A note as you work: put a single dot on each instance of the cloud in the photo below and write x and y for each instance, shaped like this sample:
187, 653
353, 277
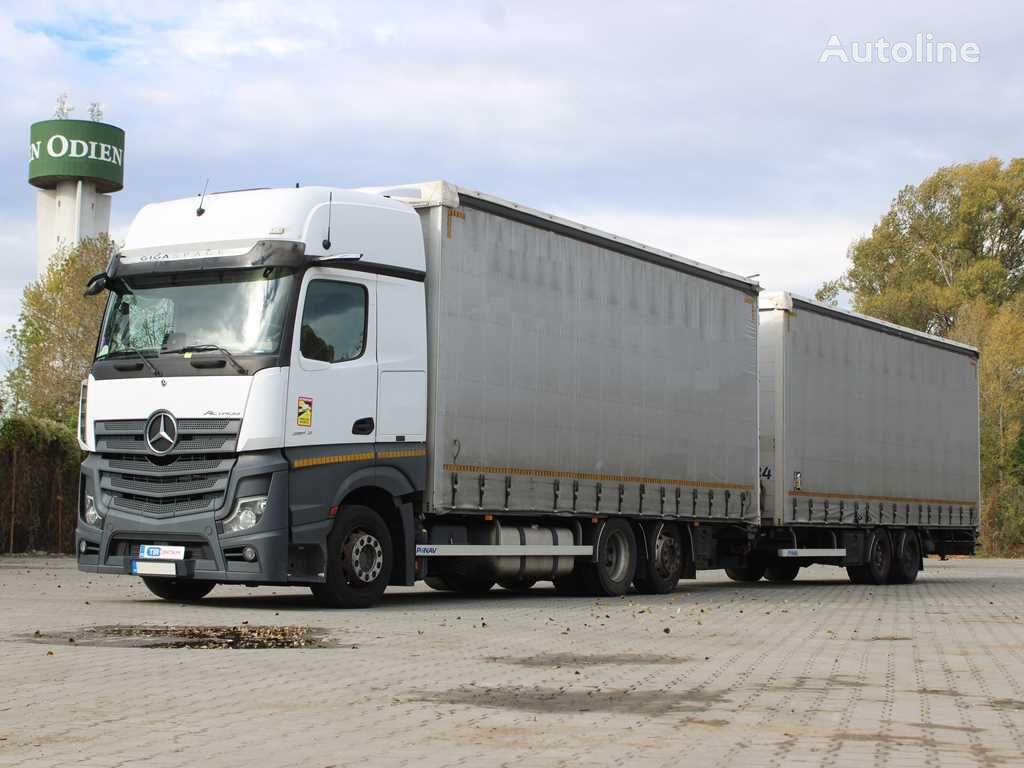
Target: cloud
710, 129
785, 253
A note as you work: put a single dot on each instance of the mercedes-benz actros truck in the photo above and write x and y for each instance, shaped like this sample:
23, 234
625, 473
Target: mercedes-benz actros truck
350, 389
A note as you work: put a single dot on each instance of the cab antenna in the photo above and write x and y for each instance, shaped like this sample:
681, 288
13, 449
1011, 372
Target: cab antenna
327, 241
200, 210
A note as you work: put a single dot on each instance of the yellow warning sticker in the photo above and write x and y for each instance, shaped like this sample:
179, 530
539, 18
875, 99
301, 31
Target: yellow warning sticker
304, 417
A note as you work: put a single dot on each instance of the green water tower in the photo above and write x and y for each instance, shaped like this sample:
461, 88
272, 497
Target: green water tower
75, 164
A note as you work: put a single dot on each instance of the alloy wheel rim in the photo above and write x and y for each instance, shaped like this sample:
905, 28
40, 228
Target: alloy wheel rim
363, 557
615, 556
667, 553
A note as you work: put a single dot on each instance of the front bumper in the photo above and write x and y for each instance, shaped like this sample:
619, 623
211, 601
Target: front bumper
210, 554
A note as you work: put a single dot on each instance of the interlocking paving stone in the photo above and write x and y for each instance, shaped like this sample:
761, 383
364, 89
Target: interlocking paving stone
815, 673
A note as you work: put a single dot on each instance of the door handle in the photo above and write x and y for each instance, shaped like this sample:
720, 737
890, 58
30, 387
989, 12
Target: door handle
363, 426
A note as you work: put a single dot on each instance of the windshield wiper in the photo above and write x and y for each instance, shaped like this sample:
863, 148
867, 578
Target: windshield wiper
209, 348
133, 351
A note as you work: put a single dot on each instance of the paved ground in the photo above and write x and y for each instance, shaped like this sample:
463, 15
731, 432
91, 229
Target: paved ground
819, 672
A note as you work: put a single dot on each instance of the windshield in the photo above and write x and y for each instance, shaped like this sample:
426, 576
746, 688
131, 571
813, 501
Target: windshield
243, 311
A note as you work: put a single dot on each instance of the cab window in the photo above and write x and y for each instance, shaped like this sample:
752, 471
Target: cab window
333, 321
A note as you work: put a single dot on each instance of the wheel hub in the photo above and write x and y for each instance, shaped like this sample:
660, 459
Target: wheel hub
667, 554
363, 556
614, 556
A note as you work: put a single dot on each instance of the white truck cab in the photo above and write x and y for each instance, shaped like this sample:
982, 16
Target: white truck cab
247, 336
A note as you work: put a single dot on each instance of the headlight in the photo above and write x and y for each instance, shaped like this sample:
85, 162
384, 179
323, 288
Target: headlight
247, 514
90, 513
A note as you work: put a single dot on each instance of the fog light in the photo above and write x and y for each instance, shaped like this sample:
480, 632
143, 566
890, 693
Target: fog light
82, 546
249, 554
91, 514
247, 514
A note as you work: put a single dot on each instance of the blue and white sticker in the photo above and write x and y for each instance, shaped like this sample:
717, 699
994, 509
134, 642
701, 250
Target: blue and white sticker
160, 552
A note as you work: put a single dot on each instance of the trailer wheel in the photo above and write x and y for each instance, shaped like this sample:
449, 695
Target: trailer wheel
907, 559
658, 574
782, 572
748, 573
615, 568
879, 561
359, 560
178, 590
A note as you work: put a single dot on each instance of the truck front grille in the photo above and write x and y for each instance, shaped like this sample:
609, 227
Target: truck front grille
192, 477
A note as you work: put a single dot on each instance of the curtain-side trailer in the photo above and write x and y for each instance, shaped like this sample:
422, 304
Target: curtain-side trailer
869, 442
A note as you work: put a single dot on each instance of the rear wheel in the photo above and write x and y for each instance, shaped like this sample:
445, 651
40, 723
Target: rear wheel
359, 560
615, 568
747, 573
659, 571
878, 564
782, 572
178, 590
907, 559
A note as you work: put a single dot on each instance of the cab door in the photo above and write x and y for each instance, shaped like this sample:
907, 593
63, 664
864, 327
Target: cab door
332, 385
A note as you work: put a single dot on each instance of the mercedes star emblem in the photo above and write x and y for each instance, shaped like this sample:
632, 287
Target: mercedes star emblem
161, 433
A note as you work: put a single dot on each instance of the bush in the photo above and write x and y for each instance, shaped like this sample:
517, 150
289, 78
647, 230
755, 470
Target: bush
39, 473
1002, 531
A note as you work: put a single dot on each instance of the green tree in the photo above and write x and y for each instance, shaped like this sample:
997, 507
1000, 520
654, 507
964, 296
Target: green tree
948, 258
53, 341
955, 237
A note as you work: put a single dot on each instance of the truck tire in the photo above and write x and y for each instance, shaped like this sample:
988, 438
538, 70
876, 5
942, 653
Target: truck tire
782, 572
878, 566
748, 573
615, 568
906, 559
359, 560
178, 590
658, 574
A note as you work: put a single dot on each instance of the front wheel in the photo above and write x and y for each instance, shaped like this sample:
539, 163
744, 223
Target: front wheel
359, 560
178, 590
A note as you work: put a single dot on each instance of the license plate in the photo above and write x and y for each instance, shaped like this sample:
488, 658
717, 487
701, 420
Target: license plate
147, 568
155, 552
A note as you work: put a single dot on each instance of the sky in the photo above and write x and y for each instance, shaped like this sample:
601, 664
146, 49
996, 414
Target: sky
713, 130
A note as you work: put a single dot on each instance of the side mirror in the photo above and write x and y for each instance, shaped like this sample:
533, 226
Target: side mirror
96, 284
103, 280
